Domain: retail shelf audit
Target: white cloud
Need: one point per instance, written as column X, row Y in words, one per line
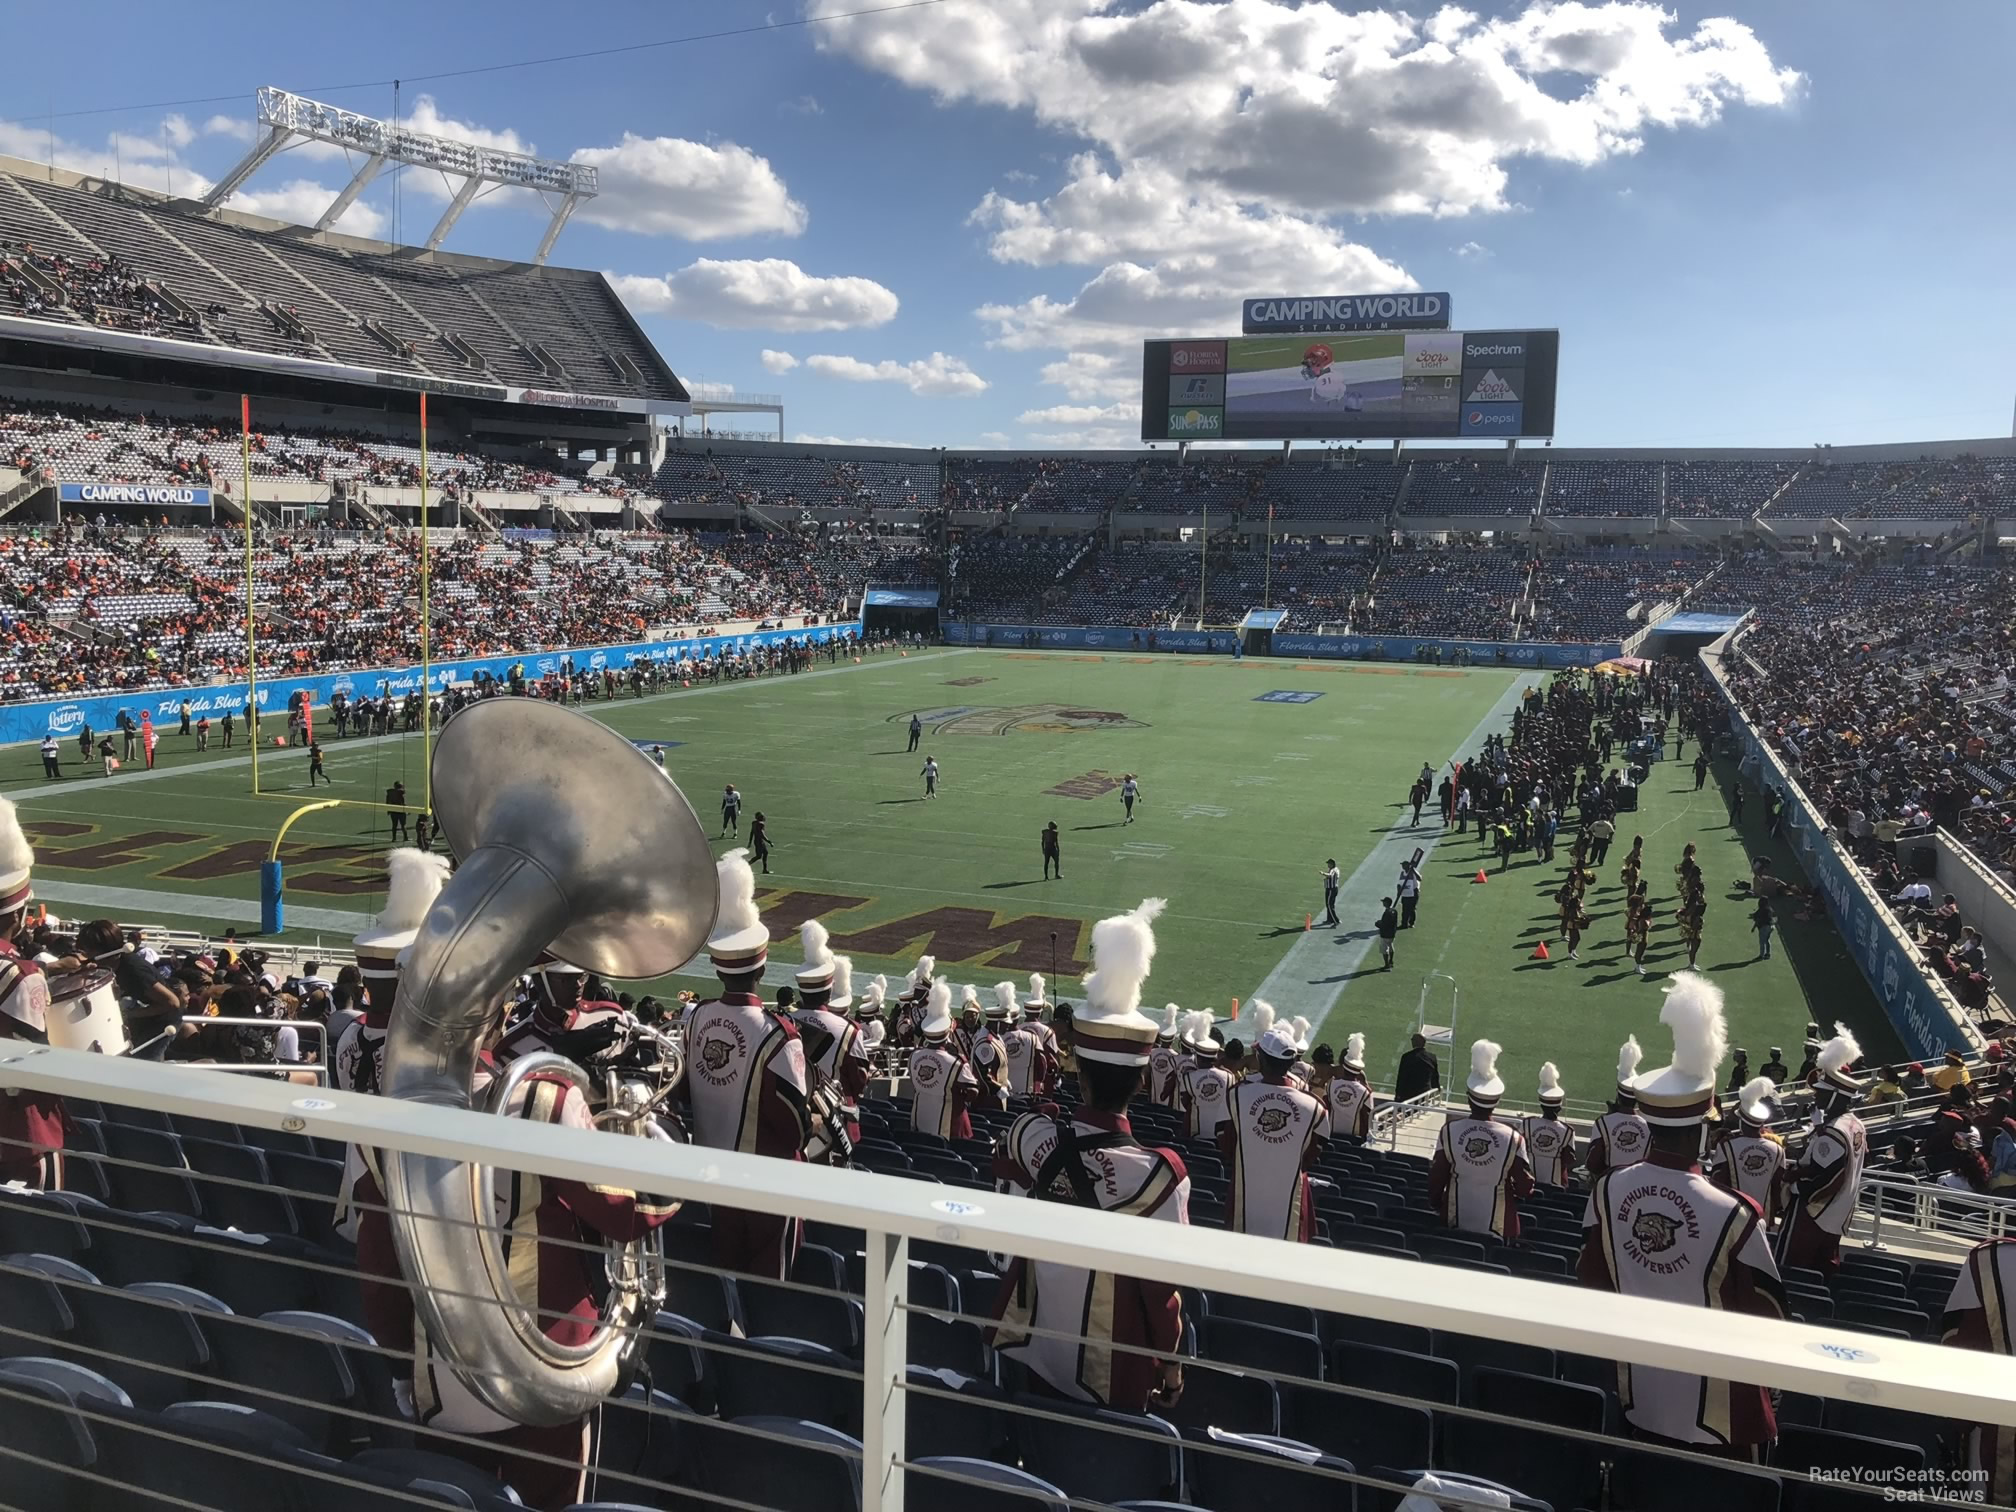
column 1323, row 111
column 124, row 157
column 993, row 438
column 235, row 127
column 1081, row 414
column 804, row 105
column 667, row 186
column 937, row 374
column 765, row 294
column 707, row 388
column 176, row 130
column 1472, row 251
column 425, row 116
column 777, row 362
column 303, row 201
column 806, row 438
column 1095, row 375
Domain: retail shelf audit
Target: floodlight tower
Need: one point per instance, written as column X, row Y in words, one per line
column 288, row 119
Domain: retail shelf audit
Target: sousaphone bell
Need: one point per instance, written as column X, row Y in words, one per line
column 571, row 840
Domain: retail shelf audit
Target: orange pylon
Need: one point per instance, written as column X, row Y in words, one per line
column 1480, row 875
column 1540, row 953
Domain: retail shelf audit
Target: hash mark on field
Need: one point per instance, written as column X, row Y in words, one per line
column 1326, row 739
column 1254, row 781
column 1204, row 811
column 1291, row 756
column 1140, row 850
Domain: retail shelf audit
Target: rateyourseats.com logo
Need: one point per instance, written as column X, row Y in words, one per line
column 1197, row 421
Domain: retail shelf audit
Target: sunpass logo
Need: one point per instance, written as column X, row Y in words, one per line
column 1197, row 421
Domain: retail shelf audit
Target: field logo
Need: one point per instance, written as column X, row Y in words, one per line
column 1197, row 421
column 1287, row 695
column 1046, row 719
column 1491, row 389
column 1088, row 785
column 66, row 720
column 1021, row 943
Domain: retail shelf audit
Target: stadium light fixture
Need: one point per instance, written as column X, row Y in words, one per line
column 290, row 118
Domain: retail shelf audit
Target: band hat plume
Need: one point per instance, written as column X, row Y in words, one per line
column 1004, row 1004
column 816, row 974
column 17, row 860
column 1755, row 1102
column 1684, row 1092
column 843, row 983
column 1835, row 1059
column 1354, row 1053
column 740, row 943
column 1170, row 1014
column 1550, row 1085
column 1111, row 1026
column 1629, row 1058
column 413, row 880
column 1484, row 1084
column 937, row 1020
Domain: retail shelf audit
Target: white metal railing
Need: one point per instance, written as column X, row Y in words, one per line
column 1917, row 1208
column 893, row 1214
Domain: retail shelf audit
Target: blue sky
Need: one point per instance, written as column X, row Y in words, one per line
column 1765, row 224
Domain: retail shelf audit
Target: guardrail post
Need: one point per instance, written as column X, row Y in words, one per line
column 884, row 1356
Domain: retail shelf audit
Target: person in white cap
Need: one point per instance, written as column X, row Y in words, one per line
column 1979, row 1315
column 1205, row 1086
column 1034, row 1023
column 1274, row 1130
column 560, row 1006
column 1480, row 1172
column 1032, row 1048
column 972, row 1023
column 942, row 1084
column 1620, row 1135
column 1062, row 1321
column 1164, row 1064
column 910, row 1006
column 1550, row 1143
column 1303, row 1071
column 32, row 1124
column 1748, row 1157
column 413, row 880
column 1829, row 1175
column 989, row 1055
column 1659, row 1228
column 746, row 1081
column 1349, row 1095
column 868, row 1010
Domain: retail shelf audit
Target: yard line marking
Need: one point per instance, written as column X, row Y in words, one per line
column 126, row 779
column 1311, row 976
column 116, row 901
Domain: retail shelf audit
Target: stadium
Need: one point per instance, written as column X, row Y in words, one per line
column 413, row 710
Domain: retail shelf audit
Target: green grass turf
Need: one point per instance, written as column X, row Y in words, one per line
column 1242, row 803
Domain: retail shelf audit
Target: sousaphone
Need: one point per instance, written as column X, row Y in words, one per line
column 571, row 840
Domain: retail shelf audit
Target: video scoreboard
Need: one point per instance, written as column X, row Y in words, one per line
column 1351, row 385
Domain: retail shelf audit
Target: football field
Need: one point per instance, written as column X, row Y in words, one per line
column 1253, row 774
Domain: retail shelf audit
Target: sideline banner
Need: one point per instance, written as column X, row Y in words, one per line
column 1925, row 1015
column 64, row 718
column 1393, row 648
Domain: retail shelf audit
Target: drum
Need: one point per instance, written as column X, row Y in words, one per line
column 84, row 1013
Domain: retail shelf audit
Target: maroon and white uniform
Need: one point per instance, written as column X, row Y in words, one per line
column 535, row 1033
column 1617, row 1140
column 745, row 1086
column 1981, row 1314
column 1205, row 1089
column 357, row 1064
column 1165, row 1076
column 1753, row 1164
column 1091, row 1309
column 1550, row 1146
column 988, row 1061
column 844, row 1061
column 31, row 1123
column 1349, row 1100
column 1478, row 1176
column 1273, row 1131
column 545, row 1223
column 941, row 1086
column 1828, row 1177
column 1658, row 1228
column 1031, row 1058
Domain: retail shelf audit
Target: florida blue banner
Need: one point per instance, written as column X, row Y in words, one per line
column 1925, row 1016
column 31, row 721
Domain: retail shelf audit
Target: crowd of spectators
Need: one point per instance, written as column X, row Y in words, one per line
column 104, row 291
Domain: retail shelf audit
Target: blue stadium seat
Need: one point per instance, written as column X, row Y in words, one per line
column 676, row 1363
column 129, row 1247
column 1357, row 1429
column 417, row 1467
column 242, row 1198
column 147, row 1171
column 1331, row 1327
column 1563, row 1472
column 295, row 1375
column 35, row 1317
column 80, row 1383
column 46, row 1441
column 1419, row 1377
column 1474, row 1353
column 1641, row 1481
column 1229, row 1399
column 161, row 1462
column 1237, row 1470
column 643, row 1438
column 977, row 1425
column 705, row 1295
column 1257, row 1346
column 1005, row 1488
column 153, row 1346
column 804, row 1467
column 759, row 1376
column 1289, row 1315
column 773, row 1310
column 1076, row 1447
column 942, row 1343
column 261, row 1273
column 1800, row 1450
column 43, row 1223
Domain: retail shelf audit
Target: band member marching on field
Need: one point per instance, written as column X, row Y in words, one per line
column 1659, row 1228
column 1063, row 1322
column 1637, row 925
column 1620, row 1135
column 745, row 1074
column 1550, row 1143
column 1480, row 1171
column 1273, row 1131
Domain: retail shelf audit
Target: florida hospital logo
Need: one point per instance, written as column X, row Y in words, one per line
column 1655, row 1232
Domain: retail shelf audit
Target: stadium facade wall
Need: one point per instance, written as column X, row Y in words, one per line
column 1925, row 1015
column 1397, row 648
column 65, row 717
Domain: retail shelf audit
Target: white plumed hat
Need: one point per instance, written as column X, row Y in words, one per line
column 1550, row 1085
column 1354, row 1052
column 1170, row 1014
column 1629, row 1058
column 1004, row 1001
column 17, row 860
column 1836, row 1057
column 937, row 1023
column 1684, row 1092
column 1263, row 1017
column 413, row 880
column 740, row 943
column 1754, row 1101
column 816, row 975
column 873, row 996
column 1037, row 987
column 843, row 983
column 1111, row 1026
column 1484, row 1084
